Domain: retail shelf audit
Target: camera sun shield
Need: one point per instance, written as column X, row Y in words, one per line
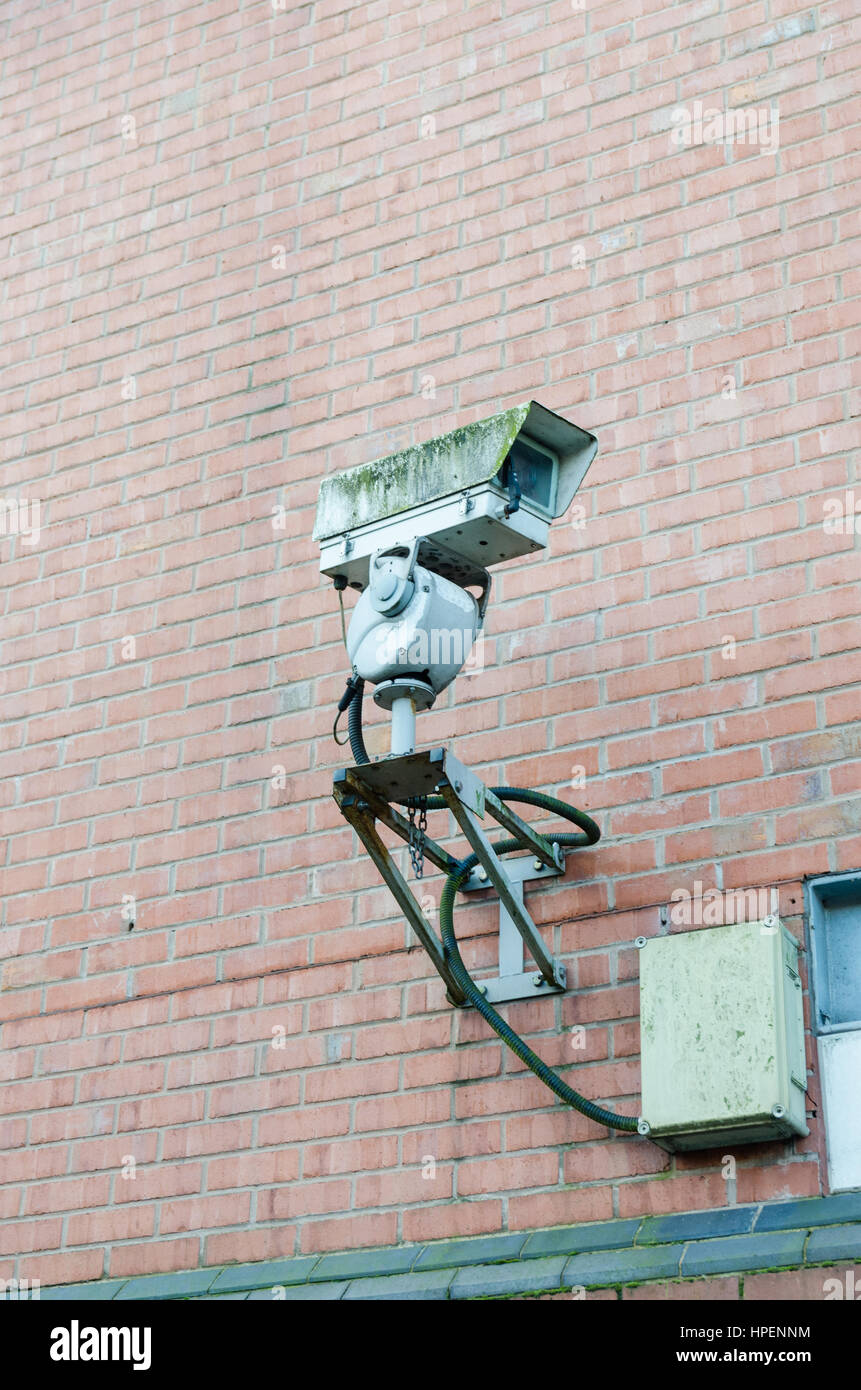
column 486, row 492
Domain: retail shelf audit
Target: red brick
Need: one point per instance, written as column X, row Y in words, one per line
column 267, row 1243
column 721, row 1287
column 201, row 1213
column 155, row 1257
column 102, row 1228
column 30, row 1235
column 560, row 1208
column 778, row 1183
column 692, row 1192
column 152, row 1182
column 349, row 1231
column 450, row 1219
column 797, row 1284
column 68, row 1267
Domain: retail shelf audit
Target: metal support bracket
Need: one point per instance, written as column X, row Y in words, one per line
column 365, row 794
column 353, row 811
column 513, row 980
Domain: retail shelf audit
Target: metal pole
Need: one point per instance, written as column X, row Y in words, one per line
column 403, row 726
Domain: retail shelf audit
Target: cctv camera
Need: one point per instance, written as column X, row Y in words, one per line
column 417, row 532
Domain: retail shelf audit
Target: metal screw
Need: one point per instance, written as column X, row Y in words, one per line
column 538, row 980
column 536, row 864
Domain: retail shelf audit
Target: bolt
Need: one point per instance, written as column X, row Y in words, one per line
column 538, row 980
column 482, row 874
column 536, row 863
column 458, row 786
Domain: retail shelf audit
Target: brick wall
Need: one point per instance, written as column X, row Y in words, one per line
column 244, row 246
column 789, row 1284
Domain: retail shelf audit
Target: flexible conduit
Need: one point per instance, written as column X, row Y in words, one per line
column 589, row 834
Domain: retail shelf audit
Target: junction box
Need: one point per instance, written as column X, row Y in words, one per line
column 722, row 1037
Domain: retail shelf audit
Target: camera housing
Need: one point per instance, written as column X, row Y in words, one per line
column 478, row 496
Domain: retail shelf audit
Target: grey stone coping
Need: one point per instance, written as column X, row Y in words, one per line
column 236, row 1277
column 476, row 1250
column 810, row 1211
column 158, row 1286
column 834, row 1243
column 359, row 1264
column 330, row 1291
column 102, row 1290
column 697, row 1225
column 239, row 1296
column 433, row 1283
column 770, row 1250
column 572, row 1240
column 494, row 1281
column 629, row 1266
column 808, row 1231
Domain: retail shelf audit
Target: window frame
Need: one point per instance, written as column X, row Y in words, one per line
column 823, row 891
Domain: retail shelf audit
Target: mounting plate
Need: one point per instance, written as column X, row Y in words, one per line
column 513, row 982
column 424, row 773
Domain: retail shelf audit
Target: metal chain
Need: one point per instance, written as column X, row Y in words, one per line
column 417, row 833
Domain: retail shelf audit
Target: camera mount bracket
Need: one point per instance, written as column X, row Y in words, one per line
column 513, row 981
column 369, row 792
